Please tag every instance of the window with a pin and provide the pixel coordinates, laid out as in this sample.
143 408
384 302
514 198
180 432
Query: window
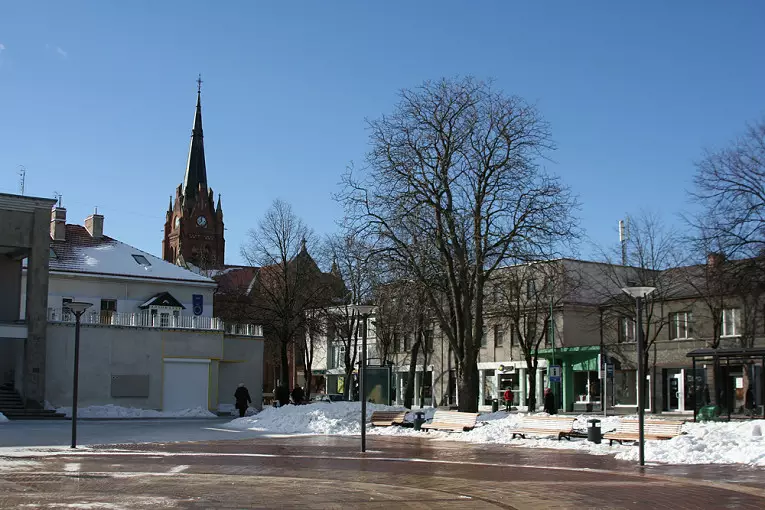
531 289
483 337
52 254
407 343
731 320
512 335
429 340
108 307
680 325
495 293
164 320
531 329
66 313
626 330
548 333
499 335
141 260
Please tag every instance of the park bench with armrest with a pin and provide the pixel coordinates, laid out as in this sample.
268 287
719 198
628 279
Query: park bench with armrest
559 426
627 430
453 421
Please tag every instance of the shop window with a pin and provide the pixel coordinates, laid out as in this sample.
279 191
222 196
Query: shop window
625 388
680 325
586 386
489 387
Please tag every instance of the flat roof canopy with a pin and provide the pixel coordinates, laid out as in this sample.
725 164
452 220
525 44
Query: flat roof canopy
727 353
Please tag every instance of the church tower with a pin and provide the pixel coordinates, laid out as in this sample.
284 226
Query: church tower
194 223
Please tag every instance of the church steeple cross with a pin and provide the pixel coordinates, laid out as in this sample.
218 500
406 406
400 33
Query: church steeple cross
199 83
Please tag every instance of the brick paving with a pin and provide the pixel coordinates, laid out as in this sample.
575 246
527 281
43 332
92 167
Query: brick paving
329 472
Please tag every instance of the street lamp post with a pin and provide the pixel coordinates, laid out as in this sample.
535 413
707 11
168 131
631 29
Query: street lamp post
639 293
364 311
77 308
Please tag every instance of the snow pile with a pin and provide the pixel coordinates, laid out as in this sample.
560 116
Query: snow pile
324 418
3 419
112 411
709 443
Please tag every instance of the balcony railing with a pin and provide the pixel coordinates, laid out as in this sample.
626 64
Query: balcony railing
161 320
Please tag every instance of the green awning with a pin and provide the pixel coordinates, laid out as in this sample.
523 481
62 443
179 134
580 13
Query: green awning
319 372
581 359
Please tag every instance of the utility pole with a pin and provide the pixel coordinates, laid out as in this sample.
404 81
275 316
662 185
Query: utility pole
22 178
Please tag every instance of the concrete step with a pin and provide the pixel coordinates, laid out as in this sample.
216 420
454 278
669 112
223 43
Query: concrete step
32 414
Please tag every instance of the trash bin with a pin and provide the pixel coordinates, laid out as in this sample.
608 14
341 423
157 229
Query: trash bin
708 413
495 405
593 431
419 419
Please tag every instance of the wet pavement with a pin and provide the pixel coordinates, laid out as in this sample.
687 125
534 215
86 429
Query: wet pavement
330 472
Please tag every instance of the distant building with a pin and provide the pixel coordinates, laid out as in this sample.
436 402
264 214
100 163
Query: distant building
194 232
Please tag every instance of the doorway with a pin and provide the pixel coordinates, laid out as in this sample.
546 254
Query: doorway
675 391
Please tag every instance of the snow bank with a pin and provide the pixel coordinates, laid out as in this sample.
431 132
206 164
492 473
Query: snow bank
112 411
3 418
702 443
709 443
323 418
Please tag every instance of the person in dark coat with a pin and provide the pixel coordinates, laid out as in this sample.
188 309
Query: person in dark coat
297 395
243 399
549 402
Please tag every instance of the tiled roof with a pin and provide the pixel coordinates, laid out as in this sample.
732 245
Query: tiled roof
106 256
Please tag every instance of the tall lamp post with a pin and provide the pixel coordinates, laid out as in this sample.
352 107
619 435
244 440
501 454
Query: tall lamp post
364 311
639 293
77 308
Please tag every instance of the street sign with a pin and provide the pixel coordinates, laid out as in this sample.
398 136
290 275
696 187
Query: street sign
610 370
554 373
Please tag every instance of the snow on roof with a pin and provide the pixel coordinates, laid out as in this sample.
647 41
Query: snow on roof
82 253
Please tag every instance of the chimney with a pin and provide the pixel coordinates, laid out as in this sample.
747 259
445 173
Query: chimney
58 223
715 259
94 224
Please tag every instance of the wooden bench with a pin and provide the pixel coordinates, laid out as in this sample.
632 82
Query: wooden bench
627 430
453 421
559 426
387 418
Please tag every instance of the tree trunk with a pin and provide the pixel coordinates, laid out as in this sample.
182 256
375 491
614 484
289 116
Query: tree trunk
348 385
424 371
532 389
308 380
409 388
467 383
284 368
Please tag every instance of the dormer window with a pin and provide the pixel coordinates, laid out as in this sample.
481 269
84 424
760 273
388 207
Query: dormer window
52 254
141 260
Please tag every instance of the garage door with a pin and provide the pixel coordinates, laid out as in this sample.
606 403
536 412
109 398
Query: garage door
185 384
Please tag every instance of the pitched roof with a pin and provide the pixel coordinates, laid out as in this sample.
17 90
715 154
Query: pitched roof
82 253
162 299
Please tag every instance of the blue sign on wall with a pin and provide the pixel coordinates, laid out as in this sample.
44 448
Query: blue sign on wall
198 301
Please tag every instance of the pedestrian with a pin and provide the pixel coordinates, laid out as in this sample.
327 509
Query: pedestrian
243 399
297 395
549 402
508 399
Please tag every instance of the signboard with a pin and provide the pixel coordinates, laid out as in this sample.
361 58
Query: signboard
607 371
503 368
377 385
554 373
198 303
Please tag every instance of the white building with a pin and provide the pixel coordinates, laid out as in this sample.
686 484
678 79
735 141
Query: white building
150 338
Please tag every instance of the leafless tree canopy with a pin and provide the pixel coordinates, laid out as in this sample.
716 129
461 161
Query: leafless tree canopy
453 190
730 184
288 282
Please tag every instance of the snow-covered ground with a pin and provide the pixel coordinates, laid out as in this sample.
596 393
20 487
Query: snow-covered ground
701 443
112 411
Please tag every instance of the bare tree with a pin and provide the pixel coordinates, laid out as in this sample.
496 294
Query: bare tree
288 282
730 184
651 250
351 260
453 171
525 297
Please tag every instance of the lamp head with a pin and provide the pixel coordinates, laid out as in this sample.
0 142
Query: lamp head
637 292
77 307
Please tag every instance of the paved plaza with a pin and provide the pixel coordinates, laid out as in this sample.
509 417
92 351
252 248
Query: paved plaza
330 472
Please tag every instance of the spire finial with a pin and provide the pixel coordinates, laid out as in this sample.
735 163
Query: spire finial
199 83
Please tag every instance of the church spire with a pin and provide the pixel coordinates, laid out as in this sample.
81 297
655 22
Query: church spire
196 171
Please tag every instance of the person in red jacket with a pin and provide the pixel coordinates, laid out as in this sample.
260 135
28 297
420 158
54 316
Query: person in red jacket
508 399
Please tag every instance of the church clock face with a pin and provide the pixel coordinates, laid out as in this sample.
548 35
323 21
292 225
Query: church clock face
202 221
177 221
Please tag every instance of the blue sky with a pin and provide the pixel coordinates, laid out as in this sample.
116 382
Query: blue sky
97 98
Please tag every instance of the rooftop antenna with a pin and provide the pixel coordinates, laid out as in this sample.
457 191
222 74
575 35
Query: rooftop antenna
22 178
59 197
624 236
